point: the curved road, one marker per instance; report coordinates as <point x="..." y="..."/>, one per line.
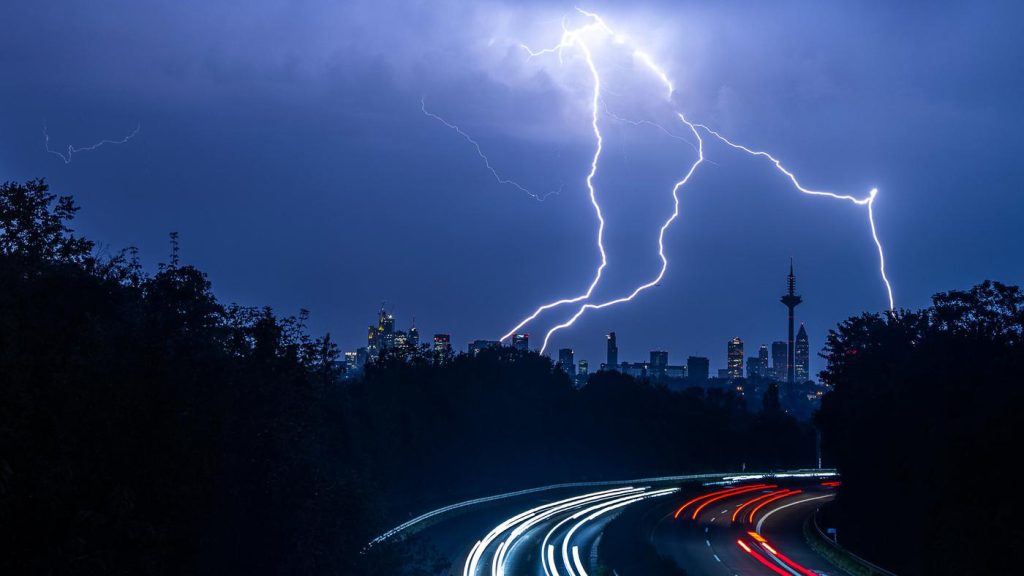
<point x="749" y="531"/>
<point x="556" y="531"/>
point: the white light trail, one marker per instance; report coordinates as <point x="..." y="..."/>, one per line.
<point x="487" y="162"/>
<point x="72" y="150"/>
<point x="573" y="38"/>
<point x="588" y="515"/>
<point x="480" y="548"/>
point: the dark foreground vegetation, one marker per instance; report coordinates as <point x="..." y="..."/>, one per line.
<point x="925" y="424"/>
<point x="146" y="428"/>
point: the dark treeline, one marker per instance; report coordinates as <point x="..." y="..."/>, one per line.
<point x="146" y="428"/>
<point x="506" y="419"/>
<point x="925" y="425"/>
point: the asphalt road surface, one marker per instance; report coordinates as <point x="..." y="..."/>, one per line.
<point x="748" y="526"/>
<point x="749" y="531"/>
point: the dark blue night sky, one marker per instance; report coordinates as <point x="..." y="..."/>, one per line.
<point x="286" y="144"/>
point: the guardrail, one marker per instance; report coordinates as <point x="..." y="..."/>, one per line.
<point x="433" y="516"/>
<point x="841" y="557"/>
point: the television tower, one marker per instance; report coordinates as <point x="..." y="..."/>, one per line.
<point x="791" y="300"/>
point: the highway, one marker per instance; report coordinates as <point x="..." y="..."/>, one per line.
<point x="745" y="530"/>
<point x="556" y="531"/>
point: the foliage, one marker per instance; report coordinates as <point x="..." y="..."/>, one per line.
<point x="146" y="428"/>
<point x="922" y="423"/>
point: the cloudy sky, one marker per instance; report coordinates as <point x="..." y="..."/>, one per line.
<point x="286" y="142"/>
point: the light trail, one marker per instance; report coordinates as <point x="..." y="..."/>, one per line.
<point x="72" y="150"/>
<point x="727" y="491"/>
<point x="572" y="38"/>
<point x="487" y="161"/>
<point x="707" y="479"/>
<point x="696" y="511"/>
<point x="753" y="513"/>
<point x="498" y="564"/>
<point x="479" y="549"/>
<point x="739" y="508"/>
<point x="590" y="513"/>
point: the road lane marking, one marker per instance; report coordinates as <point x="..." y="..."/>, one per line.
<point x="716" y="557"/>
<point x="774" y="510"/>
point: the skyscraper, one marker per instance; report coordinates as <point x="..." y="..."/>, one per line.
<point x="803" y="357"/>
<point x="734" y="365"/>
<point x="442" y="347"/>
<point x="779" y="360"/>
<point x="658" y="364"/>
<point x="697" y="368"/>
<point x="385" y="329"/>
<point x="372" y="347"/>
<point x="414" y="335"/>
<point x="762" y="356"/>
<point x="582" y="373"/>
<point x="521" y="342"/>
<point x="613" y="353"/>
<point x="753" y="366"/>
<point x="567" y="362"/>
<point x="791" y="300"/>
<point x="476" y="346"/>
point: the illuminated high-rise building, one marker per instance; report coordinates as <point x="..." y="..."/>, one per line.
<point x="803" y="357"/>
<point x="779" y="361"/>
<point x="567" y="362"/>
<point x="521" y="342"/>
<point x="372" y="347"/>
<point x="734" y="363"/>
<point x="582" y="373"/>
<point x="414" y="335"/>
<point x="477" y="346"/>
<point x="791" y="300"/>
<point x="658" y="364"/>
<point x="401" y="340"/>
<point x="442" y="347"/>
<point x="762" y="358"/>
<point x="613" y="353"/>
<point x="385" y="330"/>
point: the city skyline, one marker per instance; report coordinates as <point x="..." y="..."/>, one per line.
<point x="789" y="360"/>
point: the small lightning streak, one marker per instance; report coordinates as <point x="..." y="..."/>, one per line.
<point x="72" y="150"/>
<point x="661" y="128"/>
<point x="487" y="163"/>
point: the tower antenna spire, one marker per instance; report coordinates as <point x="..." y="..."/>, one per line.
<point x="791" y="300"/>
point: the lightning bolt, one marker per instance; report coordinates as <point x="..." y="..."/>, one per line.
<point x="487" y="162"/>
<point x="573" y="38"/>
<point x="868" y="201"/>
<point x="72" y="150"/>
<point x="569" y="39"/>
